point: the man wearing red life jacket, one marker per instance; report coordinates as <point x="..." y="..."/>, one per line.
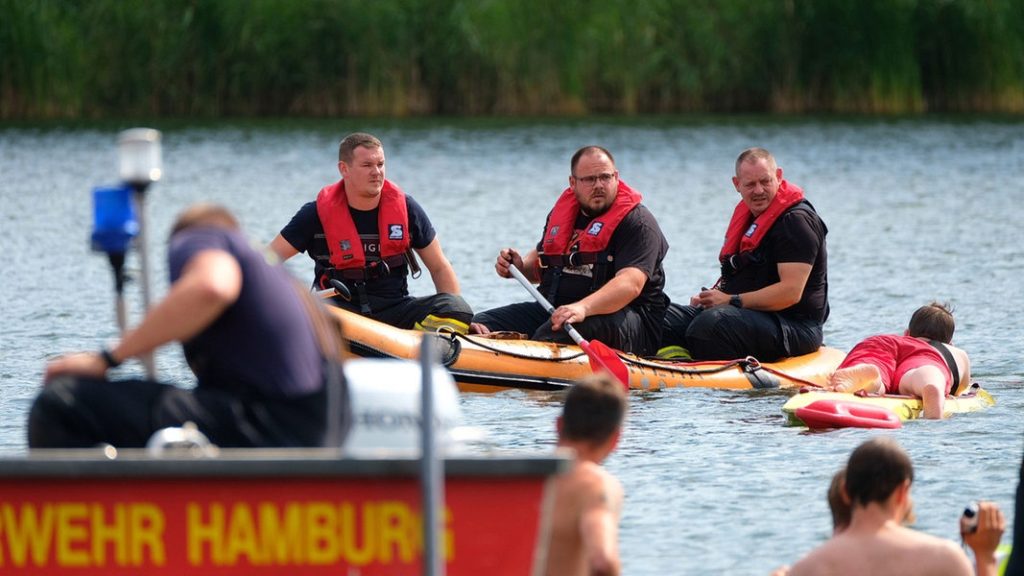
<point x="362" y="230"/>
<point x="599" y="263"/>
<point x="772" y="298"/>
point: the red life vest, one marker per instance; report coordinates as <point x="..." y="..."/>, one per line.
<point x="560" y="236"/>
<point x="743" y="236"/>
<point x="343" y="243"/>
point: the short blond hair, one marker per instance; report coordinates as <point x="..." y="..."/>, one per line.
<point x="205" y="214"/>
<point x="753" y="154"/>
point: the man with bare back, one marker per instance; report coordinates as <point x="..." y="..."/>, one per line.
<point x="588" y="500"/>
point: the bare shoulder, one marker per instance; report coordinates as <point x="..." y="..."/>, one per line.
<point x="948" y="558"/>
<point x="815" y="562"/>
<point x="594" y="486"/>
<point x="934" y="555"/>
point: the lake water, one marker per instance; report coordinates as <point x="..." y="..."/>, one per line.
<point x="917" y="210"/>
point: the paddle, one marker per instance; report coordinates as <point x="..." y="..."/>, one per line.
<point x="601" y="356"/>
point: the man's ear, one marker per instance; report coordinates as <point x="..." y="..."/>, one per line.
<point x="903" y="493"/>
<point x="778" y="174"/>
<point x="613" y="440"/>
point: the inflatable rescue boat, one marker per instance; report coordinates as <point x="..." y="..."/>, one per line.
<point x="485" y="363"/>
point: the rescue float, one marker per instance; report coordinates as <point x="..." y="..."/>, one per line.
<point x="842" y="409"/>
<point x="486" y="363"/>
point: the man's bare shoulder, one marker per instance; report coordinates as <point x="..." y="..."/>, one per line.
<point x="902" y="552"/>
<point x="588" y="481"/>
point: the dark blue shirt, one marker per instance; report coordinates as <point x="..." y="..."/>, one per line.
<point x="263" y="344"/>
<point x="305" y="233"/>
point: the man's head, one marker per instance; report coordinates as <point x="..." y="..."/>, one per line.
<point x="593" y="412"/>
<point x="877" y="469"/>
<point x="934" y="322"/>
<point x="757" y="179"/>
<point x="361" y="163"/>
<point x="594" y="179"/>
<point x="205" y="214"/>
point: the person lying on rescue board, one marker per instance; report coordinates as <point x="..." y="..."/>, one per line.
<point x="599" y="262"/>
<point x="363" y="231"/>
<point x="921" y="362"/>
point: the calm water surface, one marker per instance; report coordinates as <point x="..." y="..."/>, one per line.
<point x="917" y="210"/>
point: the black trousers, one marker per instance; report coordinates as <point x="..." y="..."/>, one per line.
<point x="406" y="312"/>
<point x="728" y="332"/>
<point x="623" y="330"/>
<point x="75" y="412"/>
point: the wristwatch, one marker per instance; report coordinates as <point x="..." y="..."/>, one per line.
<point x="108" y="357"/>
<point x="736" y="301"/>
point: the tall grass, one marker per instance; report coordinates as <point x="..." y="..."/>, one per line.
<point x="325" y="58"/>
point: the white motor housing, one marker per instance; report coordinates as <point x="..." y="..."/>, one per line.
<point x="385" y="399"/>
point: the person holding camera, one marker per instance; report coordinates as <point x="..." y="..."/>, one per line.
<point x="877" y="486"/>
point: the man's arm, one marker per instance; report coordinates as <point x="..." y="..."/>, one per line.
<point x="209" y="283"/>
<point x="282" y="248"/>
<point x="599" y="527"/>
<point x="612" y="297"/>
<point x="441" y="271"/>
<point x="779" y="296"/>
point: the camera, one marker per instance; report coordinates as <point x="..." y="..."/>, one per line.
<point x="971" y="516"/>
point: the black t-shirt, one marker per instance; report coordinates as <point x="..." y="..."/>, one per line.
<point x="797" y="236"/>
<point x="305" y="233"/>
<point x="264" y="341"/>
<point x="636" y="243"/>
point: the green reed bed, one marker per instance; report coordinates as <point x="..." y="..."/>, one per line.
<point x="208" y="58"/>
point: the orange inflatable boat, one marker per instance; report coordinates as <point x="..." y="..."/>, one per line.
<point x="481" y="363"/>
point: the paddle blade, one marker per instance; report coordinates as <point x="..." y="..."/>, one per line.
<point x="604" y="358"/>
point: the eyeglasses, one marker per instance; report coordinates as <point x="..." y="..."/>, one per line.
<point x="605" y="178"/>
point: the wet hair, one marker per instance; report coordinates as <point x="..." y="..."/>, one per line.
<point x="594" y="409"/>
<point x="875" y="470"/>
<point x="348" y="146"/>
<point x="205" y="214"/>
<point x="588" y="150"/>
<point x="837" y="502"/>
<point x="752" y="154"/>
<point x="934" y="322"/>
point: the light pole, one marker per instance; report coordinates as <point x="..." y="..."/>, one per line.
<point x="140" y="161"/>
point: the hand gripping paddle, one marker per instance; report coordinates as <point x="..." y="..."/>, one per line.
<point x="601" y="356"/>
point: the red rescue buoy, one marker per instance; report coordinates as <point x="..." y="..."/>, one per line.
<point x="840" y="414"/>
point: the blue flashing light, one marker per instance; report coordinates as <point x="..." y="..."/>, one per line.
<point x="114" y="220"/>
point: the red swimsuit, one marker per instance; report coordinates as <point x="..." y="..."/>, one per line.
<point x="894" y="356"/>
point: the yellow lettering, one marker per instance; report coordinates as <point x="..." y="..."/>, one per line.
<point x="396" y="529"/>
<point x="241" y="536"/>
<point x="351" y="529"/>
<point x="28" y="533"/>
<point x="72" y="534"/>
<point x="201" y="534"/>
<point x="281" y="538"/>
<point x="147" y="530"/>
<point x="322" y="537"/>
<point x="112" y="534"/>
<point x="449" y="536"/>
